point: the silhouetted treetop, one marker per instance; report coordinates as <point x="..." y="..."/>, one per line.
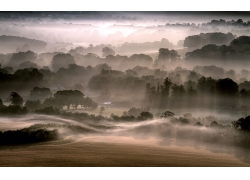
<point x="62" y="60"/>
<point x="16" y="99"/>
<point x="107" y="51"/>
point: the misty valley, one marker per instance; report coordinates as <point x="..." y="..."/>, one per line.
<point x="124" y="89"/>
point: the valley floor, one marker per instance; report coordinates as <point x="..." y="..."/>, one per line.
<point x="93" y="151"/>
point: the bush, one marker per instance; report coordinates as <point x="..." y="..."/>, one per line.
<point x="25" y="136"/>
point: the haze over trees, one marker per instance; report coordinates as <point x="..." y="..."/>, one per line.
<point x="10" y="44"/>
<point x="173" y="81"/>
<point x="107" y="51"/>
<point x="236" y="51"/>
<point x="202" y="39"/>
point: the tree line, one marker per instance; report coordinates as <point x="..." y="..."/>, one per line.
<point x="208" y="92"/>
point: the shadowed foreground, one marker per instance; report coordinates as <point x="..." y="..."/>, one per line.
<point x="90" y="152"/>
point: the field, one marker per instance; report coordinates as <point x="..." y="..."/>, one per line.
<point x="107" y="151"/>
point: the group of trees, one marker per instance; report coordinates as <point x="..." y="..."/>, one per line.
<point x="15" y="107"/>
<point x="237" y="50"/>
<point x="182" y="79"/>
<point x="127" y="47"/>
<point x="202" y="39"/>
<point x="26" y="136"/>
<point x="222" y="22"/>
<point x="73" y="98"/>
<point x="143" y="47"/>
<point x="62" y="60"/>
<point x="144" y="115"/>
<point x="135" y="111"/>
<point x="207" y="92"/>
<point x="166" y="56"/>
<point x="38" y="93"/>
<point x="20" y="80"/>
<point x="65" y="98"/>
<point x="130" y="80"/>
<point x="19" y="59"/>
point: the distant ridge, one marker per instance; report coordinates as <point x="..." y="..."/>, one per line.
<point x="9" y="44"/>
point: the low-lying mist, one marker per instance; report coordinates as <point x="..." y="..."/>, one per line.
<point x="155" y="132"/>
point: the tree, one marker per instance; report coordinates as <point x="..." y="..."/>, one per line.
<point x="145" y="116"/>
<point x="227" y="92"/>
<point x="214" y="124"/>
<point x="33" y="104"/>
<point x="189" y="84"/>
<point x="191" y="92"/>
<point x="139" y="59"/>
<point x="193" y="76"/>
<point x="18" y="58"/>
<point x="241" y="43"/>
<point x="1" y="103"/>
<point x="204" y="84"/>
<point x="102" y="109"/>
<point x="135" y="111"/>
<point x="89" y="103"/>
<point x="242" y="123"/>
<point x="51" y="102"/>
<point x="164" y="54"/>
<point x="193" y="41"/>
<point x="202" y="39"/>
<point x="167" y="55"/>
<point x="40" y="93"/>
<point x="16" y="99"/>
<point x="167" y="114"/>
<point x="62" y="60"/>
<point x="178" y="91"/>
<point x="107" y="51"/>
<point x="69" y="97"/>
<point x="27" y="64"/>
<point x="29" y="75"/>
<point x="166" y="87"/>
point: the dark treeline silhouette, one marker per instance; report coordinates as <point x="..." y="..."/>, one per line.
<point x="69" y="98"/>
<point x="237" y="51"/>
<point x="40" y="93"/>
<point x="21" y="80"/>
<point x="61" y="99"/>
<point x="205" y="92"/>
<point x="223" y="22"/>
<point x="22" y="59"/>
<point x="27" y="136"/>
<point x="213" y="23"/>
<point x="202" y="39"/>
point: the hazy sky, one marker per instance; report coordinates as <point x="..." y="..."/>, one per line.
<point x="108" y="27"/>
<point x="187" y="16"/>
